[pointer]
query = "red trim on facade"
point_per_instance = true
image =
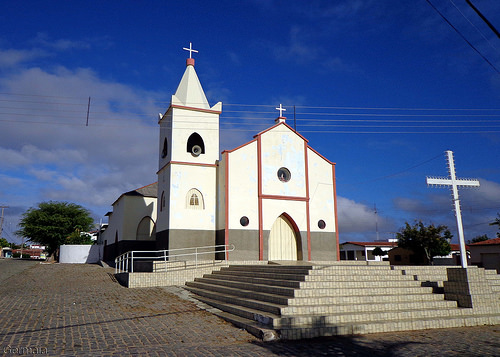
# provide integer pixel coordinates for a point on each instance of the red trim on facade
(185, 163)
(239, 147)
(284, 198)
(278, 124)
(226, 203)
(324, 158)
(195, 109)
(335, 208)
(292, 222)
(308, 213)
(259, 180)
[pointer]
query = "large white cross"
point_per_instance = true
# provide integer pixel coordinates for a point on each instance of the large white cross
(281, 109)
(455, 184)
(190, 49)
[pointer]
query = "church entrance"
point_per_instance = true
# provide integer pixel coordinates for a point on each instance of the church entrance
(283, 242)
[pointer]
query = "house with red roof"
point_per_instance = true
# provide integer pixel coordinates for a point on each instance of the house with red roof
(486, 254)
(364, 250)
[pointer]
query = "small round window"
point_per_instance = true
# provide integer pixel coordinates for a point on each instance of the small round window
(321, 224)
(284, 174)
(244, 221)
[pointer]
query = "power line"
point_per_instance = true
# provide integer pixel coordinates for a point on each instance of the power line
(463, 37)
(490, 25)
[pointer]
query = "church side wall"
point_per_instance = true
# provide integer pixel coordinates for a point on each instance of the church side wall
(322, 208)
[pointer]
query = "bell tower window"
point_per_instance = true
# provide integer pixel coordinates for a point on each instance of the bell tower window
(195, 145)
(164, 151)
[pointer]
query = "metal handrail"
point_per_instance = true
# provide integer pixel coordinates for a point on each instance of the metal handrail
(125, 261)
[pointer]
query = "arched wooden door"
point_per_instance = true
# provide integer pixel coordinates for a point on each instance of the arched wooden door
(283, 240)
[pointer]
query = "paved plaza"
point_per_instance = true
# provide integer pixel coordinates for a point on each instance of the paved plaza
(80, 310)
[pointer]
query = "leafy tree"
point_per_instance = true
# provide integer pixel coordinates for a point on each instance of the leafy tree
(4, 243)
(426, 241)
(496, 222)
(478, 239)
(51, 223)
(79, 237)
(379, 251)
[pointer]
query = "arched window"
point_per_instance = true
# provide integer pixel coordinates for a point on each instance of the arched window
(195, 145)
(162, 201)
(194, 199)
(164, 151)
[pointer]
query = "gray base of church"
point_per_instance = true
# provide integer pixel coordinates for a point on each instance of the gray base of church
(111, 251)
(323, 246)
(246, 243)
(186, 238)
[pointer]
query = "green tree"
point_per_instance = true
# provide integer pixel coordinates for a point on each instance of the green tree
(426, 241)
(4, 243)
(79, 237)
(478, 239)
(378, 251)
(51, 223)
(496, 222)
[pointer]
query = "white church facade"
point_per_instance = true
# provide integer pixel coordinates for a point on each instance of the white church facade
(273, 198)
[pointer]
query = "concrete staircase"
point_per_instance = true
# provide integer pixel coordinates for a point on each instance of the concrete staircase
(304, 301)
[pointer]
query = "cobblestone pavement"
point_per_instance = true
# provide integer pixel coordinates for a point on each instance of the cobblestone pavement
(80, 310)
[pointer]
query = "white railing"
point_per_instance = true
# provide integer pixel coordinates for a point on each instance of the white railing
(125, 262)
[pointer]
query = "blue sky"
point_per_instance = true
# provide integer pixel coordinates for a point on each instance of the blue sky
(382, 88)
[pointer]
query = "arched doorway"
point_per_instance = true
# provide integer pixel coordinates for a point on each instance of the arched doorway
(284, 240)
(146, 230)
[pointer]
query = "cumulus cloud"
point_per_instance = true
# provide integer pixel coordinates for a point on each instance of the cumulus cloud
(357, 221)
(14, 57)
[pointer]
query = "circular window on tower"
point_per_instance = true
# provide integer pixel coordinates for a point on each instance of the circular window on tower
(284, 174)
(244, 221)
(321, 224)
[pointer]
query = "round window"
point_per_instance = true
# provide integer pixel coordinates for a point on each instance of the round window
(321, 224)
(284, 174)
(244, 221)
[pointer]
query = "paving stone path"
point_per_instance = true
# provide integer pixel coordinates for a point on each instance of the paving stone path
(80, 310)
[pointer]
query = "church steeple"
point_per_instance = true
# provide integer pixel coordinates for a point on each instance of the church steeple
(190, 93)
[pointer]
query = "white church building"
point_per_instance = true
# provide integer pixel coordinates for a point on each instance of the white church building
(273, 198)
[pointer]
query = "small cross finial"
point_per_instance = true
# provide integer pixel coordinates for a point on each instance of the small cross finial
(281, 109)
(190, 49)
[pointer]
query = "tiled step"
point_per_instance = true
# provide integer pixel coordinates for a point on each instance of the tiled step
(365, 283)
(303, 301)
(270, 289)
(340, 291)
(321, 320)
(237, 305)
(262, 275)
(278, 305)
(361, 306)
(270, 320)
(240, 293)
(273, 280)
(353, 299)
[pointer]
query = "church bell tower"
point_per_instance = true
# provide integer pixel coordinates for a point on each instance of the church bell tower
(187, 166)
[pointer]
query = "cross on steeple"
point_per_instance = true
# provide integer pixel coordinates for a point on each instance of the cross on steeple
(190, 49)
(281, 109)
(455, 183)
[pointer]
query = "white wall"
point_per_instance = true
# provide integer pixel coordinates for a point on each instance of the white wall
(79, 254)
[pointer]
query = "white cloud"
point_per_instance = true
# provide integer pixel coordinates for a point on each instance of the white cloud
(13, 57)
(358, 220)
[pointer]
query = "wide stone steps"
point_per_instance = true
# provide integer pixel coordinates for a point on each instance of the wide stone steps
(322, 300)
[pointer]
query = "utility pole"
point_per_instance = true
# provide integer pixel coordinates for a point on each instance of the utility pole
(376, 221)
(1, 220)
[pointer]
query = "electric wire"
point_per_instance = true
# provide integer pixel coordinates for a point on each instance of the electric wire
(462, 36)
